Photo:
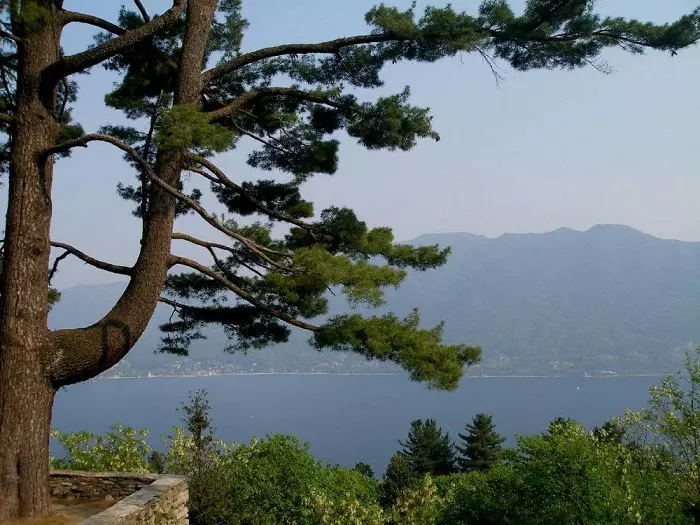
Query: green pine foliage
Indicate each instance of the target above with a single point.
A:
(282, 255)
(428, 450)
(480, 447)
(397, 479)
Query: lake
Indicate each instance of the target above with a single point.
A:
(348, 418)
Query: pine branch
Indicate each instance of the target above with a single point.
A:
(9, 36)
(176, 305)
(175, 260)
(221, 176)
(327, 47)
(204, 174)
(142, 10)
(4, 117)
(107, 267)
(71, 64)
(54, 268)
(67, 17)
(256, 248)
(6, 86)
(248, 97)
(211, 245)
(261, 140)
(64, 102)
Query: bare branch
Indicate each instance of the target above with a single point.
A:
(83, 141)
(175, 260)
(493, 66)
(108, 267)
(221, 176)
(142, 10)
(248, 97)
(204, 174)
(9, 36)
(71, 64)
(261, 140)
(174, 304)
(327, 47)
(54, 268)
(4, 117)
(66, 17)
(210, 245)
(64, 102)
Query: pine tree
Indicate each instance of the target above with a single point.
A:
(481, 446)
(397, 478)
(427, 450)
(189, 91)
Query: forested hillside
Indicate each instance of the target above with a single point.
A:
(607, 299)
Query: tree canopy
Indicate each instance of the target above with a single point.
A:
(427, 449)
(188, 92)
(480, 446)
(292, 101)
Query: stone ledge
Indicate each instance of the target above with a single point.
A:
(142, 498)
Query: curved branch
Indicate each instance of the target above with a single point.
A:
(248, 97)
(108, 267)
(327, 47)
(100, 137)
(221, 176)
(175, 260)
(71, 64)
(67, 17)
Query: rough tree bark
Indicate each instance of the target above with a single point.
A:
(50, 360)
(26, 398)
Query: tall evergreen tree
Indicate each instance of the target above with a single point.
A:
(190, 92)
(480, 447)
(397, 478)
(428, 450)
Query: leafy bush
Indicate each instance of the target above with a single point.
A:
(123, 449)
(562, 476)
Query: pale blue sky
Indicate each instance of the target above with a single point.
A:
(540, 151)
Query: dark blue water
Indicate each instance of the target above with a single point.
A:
(346, 419)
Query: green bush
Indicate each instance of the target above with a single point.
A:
(562, 476)
(122, 449)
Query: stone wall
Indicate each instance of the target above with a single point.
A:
(96, 485)
(142, 499)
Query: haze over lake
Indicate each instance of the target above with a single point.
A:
(349, 418)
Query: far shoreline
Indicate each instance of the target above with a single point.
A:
(466, 377)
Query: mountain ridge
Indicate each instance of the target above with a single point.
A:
(610, 298)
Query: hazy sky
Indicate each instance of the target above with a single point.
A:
(540, 151)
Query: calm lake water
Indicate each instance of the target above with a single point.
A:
(346, 419)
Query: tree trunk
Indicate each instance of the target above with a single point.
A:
(26, 393)
(24, 437)
(33, 360)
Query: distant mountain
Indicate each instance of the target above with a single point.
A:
(607, 299)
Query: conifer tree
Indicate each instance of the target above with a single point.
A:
(397, 478)
(428, 450)
(480, 447)
(189, 92)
